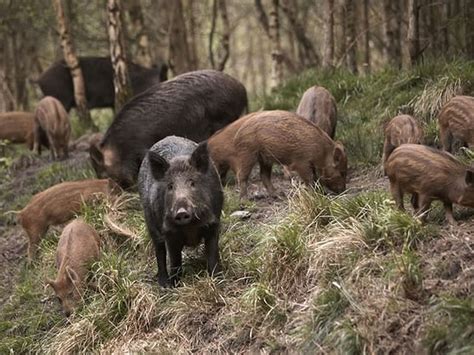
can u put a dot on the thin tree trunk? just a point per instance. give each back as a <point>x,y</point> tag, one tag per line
<point>388,31</point>
<point>366,33</point>
<point>118,54</point>
<point>413,35</point>
<point>225,48</point>
<point>191,14</point>
<point>277,58</point>
<point>445,15</point>
<point>397,34</point>
<point>262,17</point>
<point>351,36</point>
<point>178,43</point>
<point>469,23</point>
<point>212,33</point>
<point>73,64</point>
<point>328,52</point>
<point>140,43</point>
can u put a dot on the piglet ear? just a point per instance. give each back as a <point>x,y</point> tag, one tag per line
<point>158,165</point>
<point>339,153</point>
<point>470,177</point>
<point>200,158</point>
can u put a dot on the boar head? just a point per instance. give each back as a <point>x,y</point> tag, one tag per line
<point>334,174</point>
<point>467,198</point>
<point>67,289</point>
<point>185,186</point>
<point>106,163</point>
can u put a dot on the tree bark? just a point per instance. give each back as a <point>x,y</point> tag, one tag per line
<point>118,54</point>
<point>328,52</point>
<point>445,15</point>
<point>366,33</point>
<point>225,47</point>
<point>178,42</point>
<point>277,58</point>
<point>469,20</point>
<point>413,35</point>
<point>140,39</point>
<point>351,36</point>
<point>191,14</point>
<point>212,33</point>
<point>73,64</point>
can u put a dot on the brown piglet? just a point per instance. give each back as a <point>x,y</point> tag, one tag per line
<point>52,118</point>
<point>319,106</point>
<point>78,247</point>
<point>17,127</point>
<point>456,122</point>
<point>281,137</point>
<point>57,205</point>
<point>400,130</point>
<point>429,174</point>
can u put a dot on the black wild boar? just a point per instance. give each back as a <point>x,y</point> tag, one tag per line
<point>98,76</point>
<point>456,121</point>
<point>429,174</point>
<point>192,105</point>
<point>182,198</point>
<point>319,106</point>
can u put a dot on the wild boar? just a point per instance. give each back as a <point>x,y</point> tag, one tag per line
<point>84,142</point>
<point>456,122</point>
<point>182,199</point>
<point>192,105</point>
<point>319,106</point>
<point>78,248</point>
<point>429,174</point>
<point>400,130</point>
<point>57,205</point>
<point>282,137</point>
<point>98,76</point>
<point>17,127</point>
<point>52,118</point>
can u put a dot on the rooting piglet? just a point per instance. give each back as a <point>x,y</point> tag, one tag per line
<point>57,205</point>
<point>400,130</point>
<point>456,121</point>
<point>52,118</point>
<point>282,137</point>
<point>78,247</point>
<point>429,174</point>
<point>182,199</point>
<point>17,127</point>
<point>319,106</point>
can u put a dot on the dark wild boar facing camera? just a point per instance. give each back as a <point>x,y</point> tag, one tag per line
<point>182,200</point>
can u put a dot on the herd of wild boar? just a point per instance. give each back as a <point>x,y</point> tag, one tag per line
<point>176,141</point>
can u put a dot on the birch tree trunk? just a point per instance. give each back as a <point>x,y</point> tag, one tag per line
<point>277,60</point>
<point>328,51</point>
<point>73,64</point>
<point>413,35</point>
<point>118,54</point>
<point>141,43</point>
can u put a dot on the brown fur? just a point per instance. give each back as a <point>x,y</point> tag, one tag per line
<point>78,247</point>
<point>84,142</point>
<point>57,205</point>
<point>52,118</point>
<point>429,174</point>
<point>456,120</point>
<point>17,127</point>
<point>400,130</point>
<point>319,106</point>
<point>282,137</point>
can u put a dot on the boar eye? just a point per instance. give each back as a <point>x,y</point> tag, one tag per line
<point>191,183</point>
<point>170,186</point>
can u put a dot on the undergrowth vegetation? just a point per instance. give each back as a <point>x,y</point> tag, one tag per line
<point>323,273</point>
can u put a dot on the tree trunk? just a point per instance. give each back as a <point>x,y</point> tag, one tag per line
<point>469,20</point>
<point>73,64</point>
<point>178,42</point>
<point>277,58</point>
<point>140,40</point>
<point>225,48</point>
<point>328,52</point>
<point>193,54</point>
<point>212,33</point>
<point>445,15</point>
<point>413,35</point>
<point>309,51</point>
<point>351,36</point>
<point>366,33</point>
<point>118,54</point>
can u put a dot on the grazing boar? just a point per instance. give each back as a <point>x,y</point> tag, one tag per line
<point>282,137</point>
<point>319,106</point>
<point>17,127</point>
<point>192,105</point>
<point>98,76</point>
<point>182,199</point>
<point>78,247</point>
<point>52,118</point>
<point>429,174</point>
<point>456,122</point>
<point>400,130</point>
<point>57,205</point>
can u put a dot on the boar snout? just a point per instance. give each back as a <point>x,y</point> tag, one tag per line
<point>183,216</point>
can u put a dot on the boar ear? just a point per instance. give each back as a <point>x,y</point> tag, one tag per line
<point>96,155</point>
<point>158,165</point>
<point>339,153</point>
<point>200,157</point>
<point>470,177</point>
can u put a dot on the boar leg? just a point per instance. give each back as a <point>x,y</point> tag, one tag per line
<point>160,253</point>
<point>243,175</point>
<point>176,262</point>
<point>211,241</point>
<point>266,176</point>
<point>414,202</point>
<point>305,172</point>
<point>397,194</point>
<point>448,210</point>
<point>446,138</point>
<point>424,204</point>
